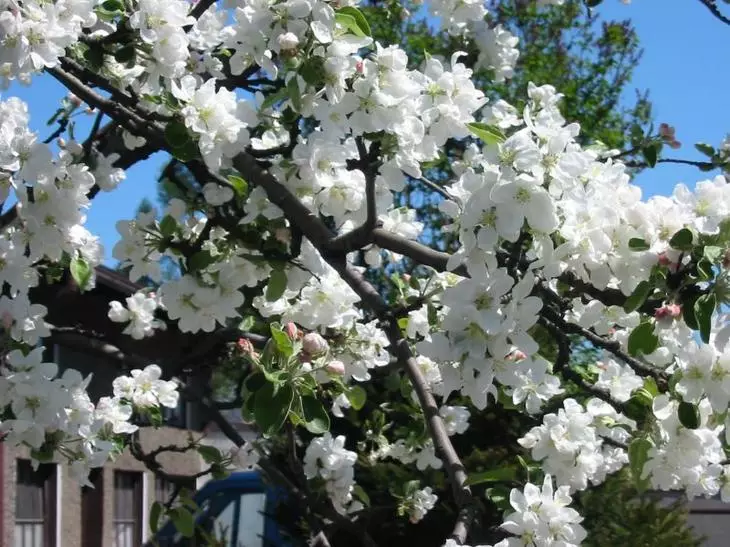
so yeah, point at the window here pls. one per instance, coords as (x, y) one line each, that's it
(127, 523)
(92, 510)
(165, 489)
(35, 505)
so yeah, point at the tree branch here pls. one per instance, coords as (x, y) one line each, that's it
(712, 6)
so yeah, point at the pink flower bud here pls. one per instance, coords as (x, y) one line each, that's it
(313, 344)
(668, 312)
(291, 330)
(245, 346)
(73, 99)
(283, 235)
(517, 355)
(664, 260)
(336, 367)
(7, 320)
(360, 67)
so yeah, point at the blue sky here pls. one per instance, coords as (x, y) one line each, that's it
(683, 67)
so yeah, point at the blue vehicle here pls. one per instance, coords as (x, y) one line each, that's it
(239, 511)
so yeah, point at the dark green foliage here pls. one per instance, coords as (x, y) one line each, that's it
(615, 515)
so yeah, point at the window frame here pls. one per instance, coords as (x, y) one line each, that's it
(49, 519)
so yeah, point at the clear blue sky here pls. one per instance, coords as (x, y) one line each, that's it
(684, 66)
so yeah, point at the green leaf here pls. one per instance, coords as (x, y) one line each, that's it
(200, 261)
(316, 419)
(643, 340)
(638, 456)
(95, 57)
(249, 406)
(682, 240)
(183, 521)
(283, 342)
(210, 454)
(499, 496)
(295, 96)
(638, 297)
(489, 134)
(254, 382)
(357, 397)
(187, 152)
(361, 495)
(704, 269)
(277, 285)
(81, 272)
(689, 415)
(273, 98)
(240, 186)
(706, 149)
(651, 387)
(125, 55)
(271, 408)
(312, 71)
(359, 17)
(168, 226)
(503, 474)
(593, 3)
(176, 134)
(155, 514)
(112, 5)
(688, 313)
(713, 254)
(638, 244)
(651, 153)
(348, 23)
(704, 308)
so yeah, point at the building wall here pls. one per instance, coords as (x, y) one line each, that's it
(68, 510)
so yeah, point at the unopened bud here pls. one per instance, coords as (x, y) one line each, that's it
(291, 330)
(288, 42)
(336, 367)
(664, 260)
(313, 344)
(245, 346)
(517, 355)
(7, 320)
(73, 99)
(360, 67)
(283, 235)
(668, 312)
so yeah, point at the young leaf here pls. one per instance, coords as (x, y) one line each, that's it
(638, 244)
(277, 285)
(489, 134)
(155, 514)
(316, 418)
(183, 521)
(295, 96)
(651, 154)
(638, 297)
(349, 23)
(643, 340)
(200, 261)
(502, 474)
(682, 240)
(210, 454)
(283, 342)
(167, 226)
(705, 148)
(81, 272)
(713, 254)
(271, 408)
(357, 397)
(704, 308)
(240, 186)
(689, 415)
(359, 17)
(638, 456)
(176, 134)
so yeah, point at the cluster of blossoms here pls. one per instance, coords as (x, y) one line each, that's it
(327, 458)
(374, 122)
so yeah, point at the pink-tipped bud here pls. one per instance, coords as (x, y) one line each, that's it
(313, 344)
(291, 330)
(517, 355)
(664, 260)
(73, 99)
(666, 131)
(668, 312)
(336, 367)
(283, 235)
(245, 346)
(360, 67)
(7, 320)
